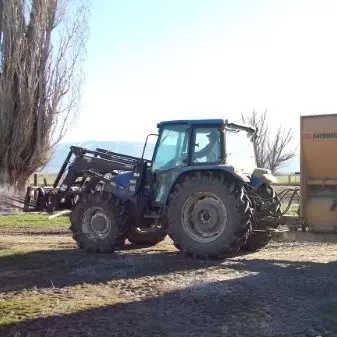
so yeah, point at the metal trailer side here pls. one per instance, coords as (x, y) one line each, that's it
(318, 180)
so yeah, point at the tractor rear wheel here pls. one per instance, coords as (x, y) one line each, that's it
(99, 225)
(209, 215)
(146, 236)
(256, 241)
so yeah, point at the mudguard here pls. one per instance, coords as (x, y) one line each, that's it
(177, 173)
(262, 176)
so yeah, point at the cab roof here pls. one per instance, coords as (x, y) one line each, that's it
(191, 122)
(206, 122)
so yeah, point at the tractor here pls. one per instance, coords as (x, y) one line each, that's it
(201, 188)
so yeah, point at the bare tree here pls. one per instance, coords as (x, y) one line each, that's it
(271, 152)
(42, 48)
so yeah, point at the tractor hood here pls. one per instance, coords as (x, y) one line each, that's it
(263, 175)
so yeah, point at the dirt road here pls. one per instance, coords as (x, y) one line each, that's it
(50, 288)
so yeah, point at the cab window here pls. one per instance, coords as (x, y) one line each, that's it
(172, 148)
(207, 145)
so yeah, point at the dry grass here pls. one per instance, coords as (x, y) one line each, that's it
(295, 179)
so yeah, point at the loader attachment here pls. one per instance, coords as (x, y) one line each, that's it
(83, 170)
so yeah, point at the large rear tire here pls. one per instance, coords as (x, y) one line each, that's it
(99, 225)
(146, 236)
(256, 241)
(209, 215)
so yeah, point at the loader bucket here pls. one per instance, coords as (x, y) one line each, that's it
(36, 198)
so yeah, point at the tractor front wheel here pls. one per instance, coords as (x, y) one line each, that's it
(99, 225)
(209, 215)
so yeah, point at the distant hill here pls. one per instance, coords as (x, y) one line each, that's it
(129, 148)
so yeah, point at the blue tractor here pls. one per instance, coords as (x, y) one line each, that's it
(201, 188)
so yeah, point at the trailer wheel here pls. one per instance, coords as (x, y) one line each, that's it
(209, 215)
(146, 236)
(99, 225)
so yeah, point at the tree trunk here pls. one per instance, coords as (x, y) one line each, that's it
(41, 51)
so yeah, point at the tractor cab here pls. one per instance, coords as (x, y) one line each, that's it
(204, 142)
(201, 144)
(185, 143)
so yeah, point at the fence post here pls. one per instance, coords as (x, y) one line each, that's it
(35, 184)
(289, 180)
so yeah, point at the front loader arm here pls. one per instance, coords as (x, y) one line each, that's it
(92, 167)
(84, 169)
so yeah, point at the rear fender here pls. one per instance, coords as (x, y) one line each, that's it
(262, 176)
(227, 169)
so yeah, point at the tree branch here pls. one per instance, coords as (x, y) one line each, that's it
(271, 152)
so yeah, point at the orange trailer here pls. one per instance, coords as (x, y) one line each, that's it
(318, 174)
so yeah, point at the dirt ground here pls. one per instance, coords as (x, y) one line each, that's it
(48, 287)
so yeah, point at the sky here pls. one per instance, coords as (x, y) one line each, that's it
(155, 60)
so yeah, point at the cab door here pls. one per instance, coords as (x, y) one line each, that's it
(208, 146)
(171, 154)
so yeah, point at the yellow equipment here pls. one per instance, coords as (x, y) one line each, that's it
(317, 220)
(319, 173)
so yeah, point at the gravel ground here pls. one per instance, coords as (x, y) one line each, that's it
(287, 289)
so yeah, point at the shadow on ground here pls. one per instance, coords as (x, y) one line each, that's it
(278, 298)
(69, 267)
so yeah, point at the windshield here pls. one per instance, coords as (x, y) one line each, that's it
(172, 148)
(240, 151)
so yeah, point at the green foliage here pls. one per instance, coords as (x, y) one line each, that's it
(34, 221)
